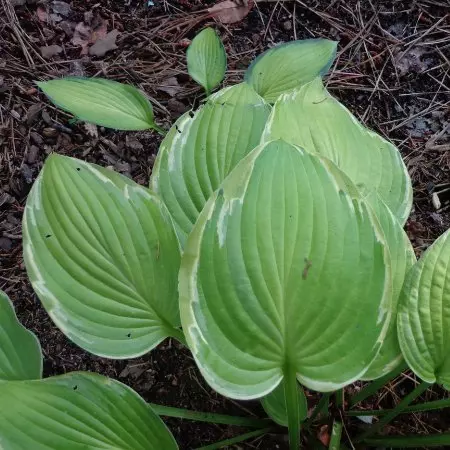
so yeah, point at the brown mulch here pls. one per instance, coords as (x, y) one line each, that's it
(392, 71)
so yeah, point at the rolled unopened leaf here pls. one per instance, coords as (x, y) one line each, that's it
(262, 276)
(312, 118)
(20, 351)
(288, 66)
(102, 102)
(206, 59)
(79, 410)
(103, 257)
(424, 314)
(200, 151)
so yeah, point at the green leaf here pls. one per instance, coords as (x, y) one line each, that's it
(275, 405)
(103, 102)
(263, 274)
(200, 151)
(312, 118)
(288, 66)
(207, 60)
(80, 410)
(20, 351)
(402, 259)
(424, 314)
(103, 258)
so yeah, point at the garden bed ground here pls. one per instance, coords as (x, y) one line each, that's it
(392, 71)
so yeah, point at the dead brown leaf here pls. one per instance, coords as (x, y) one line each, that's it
(231, 11)
(170, 86)
(42, 14)
(50, 51)
(102, 46)
(85, 35)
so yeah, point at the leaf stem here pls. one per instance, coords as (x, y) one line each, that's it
(224, 419)
(240, 438)
(420, 407)
(420, 389)
(292, 407)
(336, 433)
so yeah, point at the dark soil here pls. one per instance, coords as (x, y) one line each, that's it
(392, 71)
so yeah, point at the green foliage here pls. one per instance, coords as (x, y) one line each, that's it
(424, 320)
(20, 351)
(207, 60)
(102, 256)
(273, 235)
(80, 410)
(288, 66)
(103, 102)
(201, 150)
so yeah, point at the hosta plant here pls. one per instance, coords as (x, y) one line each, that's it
(270, 243)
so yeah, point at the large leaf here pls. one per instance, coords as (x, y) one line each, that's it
(102, 257)
(200, 151)
(20, 351)
(424, 314)
(275, 405)
(78, 411)
(103, 102)
(312, 118)
(288, 66)
(402, 259)
(206, 59)
(283, 269)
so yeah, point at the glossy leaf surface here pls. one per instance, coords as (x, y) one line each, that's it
(100, 101)
(200, 151)
(312, 118)
(206, 59)
(20, 351)
(262, 276)
(402, 259)
(103, 258)
(424, 314)
(288, 66)
(80, 410)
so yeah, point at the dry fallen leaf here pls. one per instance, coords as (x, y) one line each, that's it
(42, 14)
(50, 51)
(84, 34)
(230, 11)
(104, 45)
(170, 87)
(324, 435)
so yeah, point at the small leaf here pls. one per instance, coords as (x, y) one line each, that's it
(231, 11)
(103, 257)
(207, 60)
(263, 274)
(312, 118)
(402, 259)
(275, 405)
(79, 410)
(424, 314)
(103, 102)
(20, 351)
(288, 66)
(200, 151)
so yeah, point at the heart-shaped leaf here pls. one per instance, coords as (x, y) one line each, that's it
(200, 151)
(103, 102)
(20, 351)
(78, 411)
(402, 259)
(103, 258)
(275, 405)
(263, 274)
(424, 314)
(288, 66)
(206, 59)
(312, 118)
